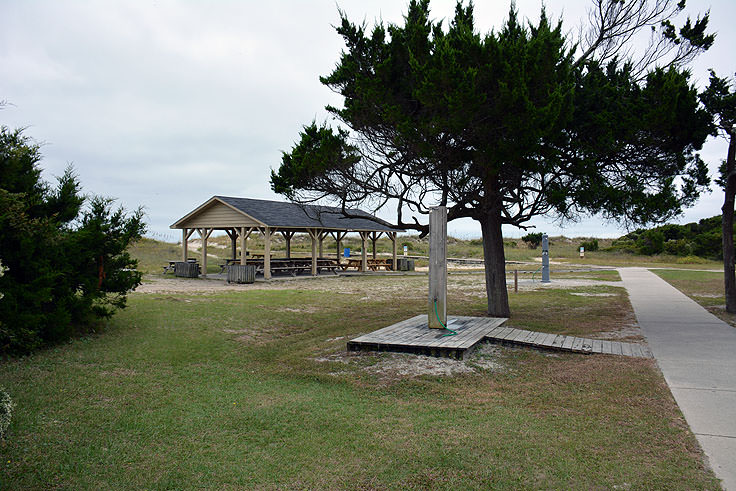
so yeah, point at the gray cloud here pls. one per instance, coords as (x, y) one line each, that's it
(164, 104)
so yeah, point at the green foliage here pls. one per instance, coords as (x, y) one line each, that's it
(533, 240)
(67, 262)
(6, 412)
(471, 119)
(650, 242)
(505, 126)
(702, 239)
(590, 246)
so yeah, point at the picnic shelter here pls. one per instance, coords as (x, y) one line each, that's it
(240, 217)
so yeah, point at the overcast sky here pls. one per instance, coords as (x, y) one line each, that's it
(164, 104)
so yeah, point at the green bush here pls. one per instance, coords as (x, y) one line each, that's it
(590, 246)
(650, 242)
(623, 244)
(66, 254)
(533, 240)
(691, 260)
(681, 247)
(6, 412)
(701, 239)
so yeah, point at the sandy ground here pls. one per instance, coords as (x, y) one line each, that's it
(393, 366)
(468, 284)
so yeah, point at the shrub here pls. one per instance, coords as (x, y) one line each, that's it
(650, 242)
(6, 412)
(590, 246)
(66, 253)
(623, 245)
(680, 247)
(691, 260)
(533, 240)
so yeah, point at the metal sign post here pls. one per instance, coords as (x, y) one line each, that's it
(545, 259)
(437, 314)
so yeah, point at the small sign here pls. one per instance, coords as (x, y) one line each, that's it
(406, 249)
(582, 252)
(346, 252)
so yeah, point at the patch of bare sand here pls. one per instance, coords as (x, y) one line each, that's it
(397, 366)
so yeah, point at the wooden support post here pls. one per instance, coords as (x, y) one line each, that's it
(267, 232)
(287, 237)
(437, 308)
(244, 234)
(184, 244)
(233, 242)
(393, 240)
(243, 241)
(363, 256)
(374, 237)
(204, 233)
(516, 281)
(321, 239)
(338, 238)
(314, 234)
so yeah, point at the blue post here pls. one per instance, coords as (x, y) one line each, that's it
(545, 259)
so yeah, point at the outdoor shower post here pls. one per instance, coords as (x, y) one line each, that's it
(438, 267)
(545, 259)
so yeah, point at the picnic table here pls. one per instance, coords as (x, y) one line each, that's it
(372, 264)
(295, 266)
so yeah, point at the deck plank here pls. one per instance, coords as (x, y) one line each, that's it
(567, 343)
(577, 344)
(626, 349)
(636, 351)
(414, 336)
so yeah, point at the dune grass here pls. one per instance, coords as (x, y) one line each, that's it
(253, 388)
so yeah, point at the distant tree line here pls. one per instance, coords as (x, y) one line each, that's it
(703, 239)
(63, 254)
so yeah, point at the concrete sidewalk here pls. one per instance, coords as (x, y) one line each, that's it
(696, 352)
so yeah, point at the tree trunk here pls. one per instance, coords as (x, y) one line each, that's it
(495, 265)
(727, 228)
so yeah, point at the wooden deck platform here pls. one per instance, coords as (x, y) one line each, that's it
(413, 336)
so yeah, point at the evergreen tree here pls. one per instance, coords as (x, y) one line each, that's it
(720, 100)
(505, 126)
(67, 264)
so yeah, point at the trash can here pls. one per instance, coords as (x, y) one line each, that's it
(186, 269)
(241, 273)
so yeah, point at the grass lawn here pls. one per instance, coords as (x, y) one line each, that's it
(254, 388)
(705, 287)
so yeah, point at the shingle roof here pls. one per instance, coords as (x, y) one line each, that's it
(293, 215)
